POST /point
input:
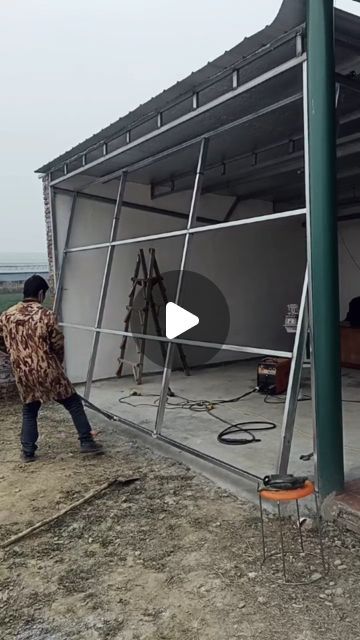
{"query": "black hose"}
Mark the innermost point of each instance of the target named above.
(225, 436)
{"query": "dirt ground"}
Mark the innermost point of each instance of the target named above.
(169, 557)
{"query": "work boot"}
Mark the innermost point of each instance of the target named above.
(28, 457)
(90, 447)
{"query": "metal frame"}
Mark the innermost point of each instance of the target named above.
(105, 284)
(60, 279)
(305, 307)
(186, 233)
(293, 62)
(189, 343)
(192, 230)
(192, 219)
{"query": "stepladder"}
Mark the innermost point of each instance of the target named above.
(147, 295)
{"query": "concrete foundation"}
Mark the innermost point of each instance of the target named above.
(199, 430)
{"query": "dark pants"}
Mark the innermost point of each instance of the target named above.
(30, 434)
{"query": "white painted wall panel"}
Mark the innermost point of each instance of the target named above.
(259, 269)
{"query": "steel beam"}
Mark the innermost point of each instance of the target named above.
(230, 212)
(132, 205)
(164, 154)
(324, 245)
(286, 66)
(221, 74)
(182, 341)
(186, 232)
(214, 132)
(105, 285)
(242, 473)
(60, 280)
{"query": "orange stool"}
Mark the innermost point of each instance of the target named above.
(281, 496)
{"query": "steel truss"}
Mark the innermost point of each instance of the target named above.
(305, 307)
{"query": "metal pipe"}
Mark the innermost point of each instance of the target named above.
(163, 154)
(185, 232)
(132, 205)
(191, 220)
(286, 66)
(105, 286)
(182, 341)
(247, 475)
(292, 395)
(60, 282)
(224, 128)
(324, 245)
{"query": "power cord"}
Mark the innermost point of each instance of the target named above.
(208, 406)
(282, 399)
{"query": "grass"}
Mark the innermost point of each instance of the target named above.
(9, 299)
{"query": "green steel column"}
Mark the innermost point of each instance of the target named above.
(324, 245)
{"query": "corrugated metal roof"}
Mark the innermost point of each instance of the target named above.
(291, 15)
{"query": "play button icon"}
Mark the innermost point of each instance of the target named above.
(178, 320)
(199, 298)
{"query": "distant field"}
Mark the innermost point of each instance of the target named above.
(9, 299)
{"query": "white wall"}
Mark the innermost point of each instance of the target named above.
(259, 268)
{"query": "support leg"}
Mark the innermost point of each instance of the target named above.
(319, 524)
(299, 525)
(262, 527)
(282, 541)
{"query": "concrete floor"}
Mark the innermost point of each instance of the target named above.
(200, 430)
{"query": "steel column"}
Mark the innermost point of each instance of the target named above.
(324, 245)
(105, 285)
(309, 255)
(61, 274)
(191, 220)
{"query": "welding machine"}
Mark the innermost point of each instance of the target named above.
(273, 375)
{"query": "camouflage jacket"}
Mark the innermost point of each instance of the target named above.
(35, 345)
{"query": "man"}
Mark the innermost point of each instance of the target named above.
(35, 345)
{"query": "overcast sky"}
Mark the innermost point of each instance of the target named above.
(70, 67)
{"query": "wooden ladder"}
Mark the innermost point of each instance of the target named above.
(145, 280)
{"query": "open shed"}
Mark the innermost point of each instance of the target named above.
(231, 174)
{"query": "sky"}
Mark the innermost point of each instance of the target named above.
(70, 67)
